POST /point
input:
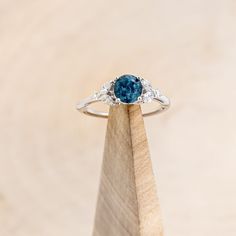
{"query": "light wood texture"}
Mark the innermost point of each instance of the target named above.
(127, 202)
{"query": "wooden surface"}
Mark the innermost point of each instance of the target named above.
(127, 202)
(54, 53)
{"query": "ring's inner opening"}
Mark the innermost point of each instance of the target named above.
(99, 107)
(150, 107)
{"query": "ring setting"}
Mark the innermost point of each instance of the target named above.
(126, 89)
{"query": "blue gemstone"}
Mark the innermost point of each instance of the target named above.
(128, 88)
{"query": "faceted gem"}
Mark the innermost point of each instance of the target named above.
(128, 88)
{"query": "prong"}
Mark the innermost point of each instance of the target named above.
(118, 101)
(140, 99)
(112, 82)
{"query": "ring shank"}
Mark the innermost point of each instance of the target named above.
(83, 107)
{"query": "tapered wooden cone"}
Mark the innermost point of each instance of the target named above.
(127, 202)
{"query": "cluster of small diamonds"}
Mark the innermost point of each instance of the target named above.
(148, 92)
(106, 93)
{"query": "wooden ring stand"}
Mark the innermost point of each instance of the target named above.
(127, 202)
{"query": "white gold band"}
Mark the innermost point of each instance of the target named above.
(83, 106)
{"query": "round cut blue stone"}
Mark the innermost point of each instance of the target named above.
(128, 88)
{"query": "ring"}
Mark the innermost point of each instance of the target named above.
(126, 89)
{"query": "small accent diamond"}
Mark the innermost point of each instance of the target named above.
(148, 96)
(156, 93)
(148, 92)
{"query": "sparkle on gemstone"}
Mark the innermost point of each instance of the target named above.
(128, 88)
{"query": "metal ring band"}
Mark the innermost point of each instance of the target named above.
(83, 106)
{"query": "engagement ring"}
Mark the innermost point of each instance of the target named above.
(127, 89)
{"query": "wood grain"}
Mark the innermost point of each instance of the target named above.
(127, 201)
